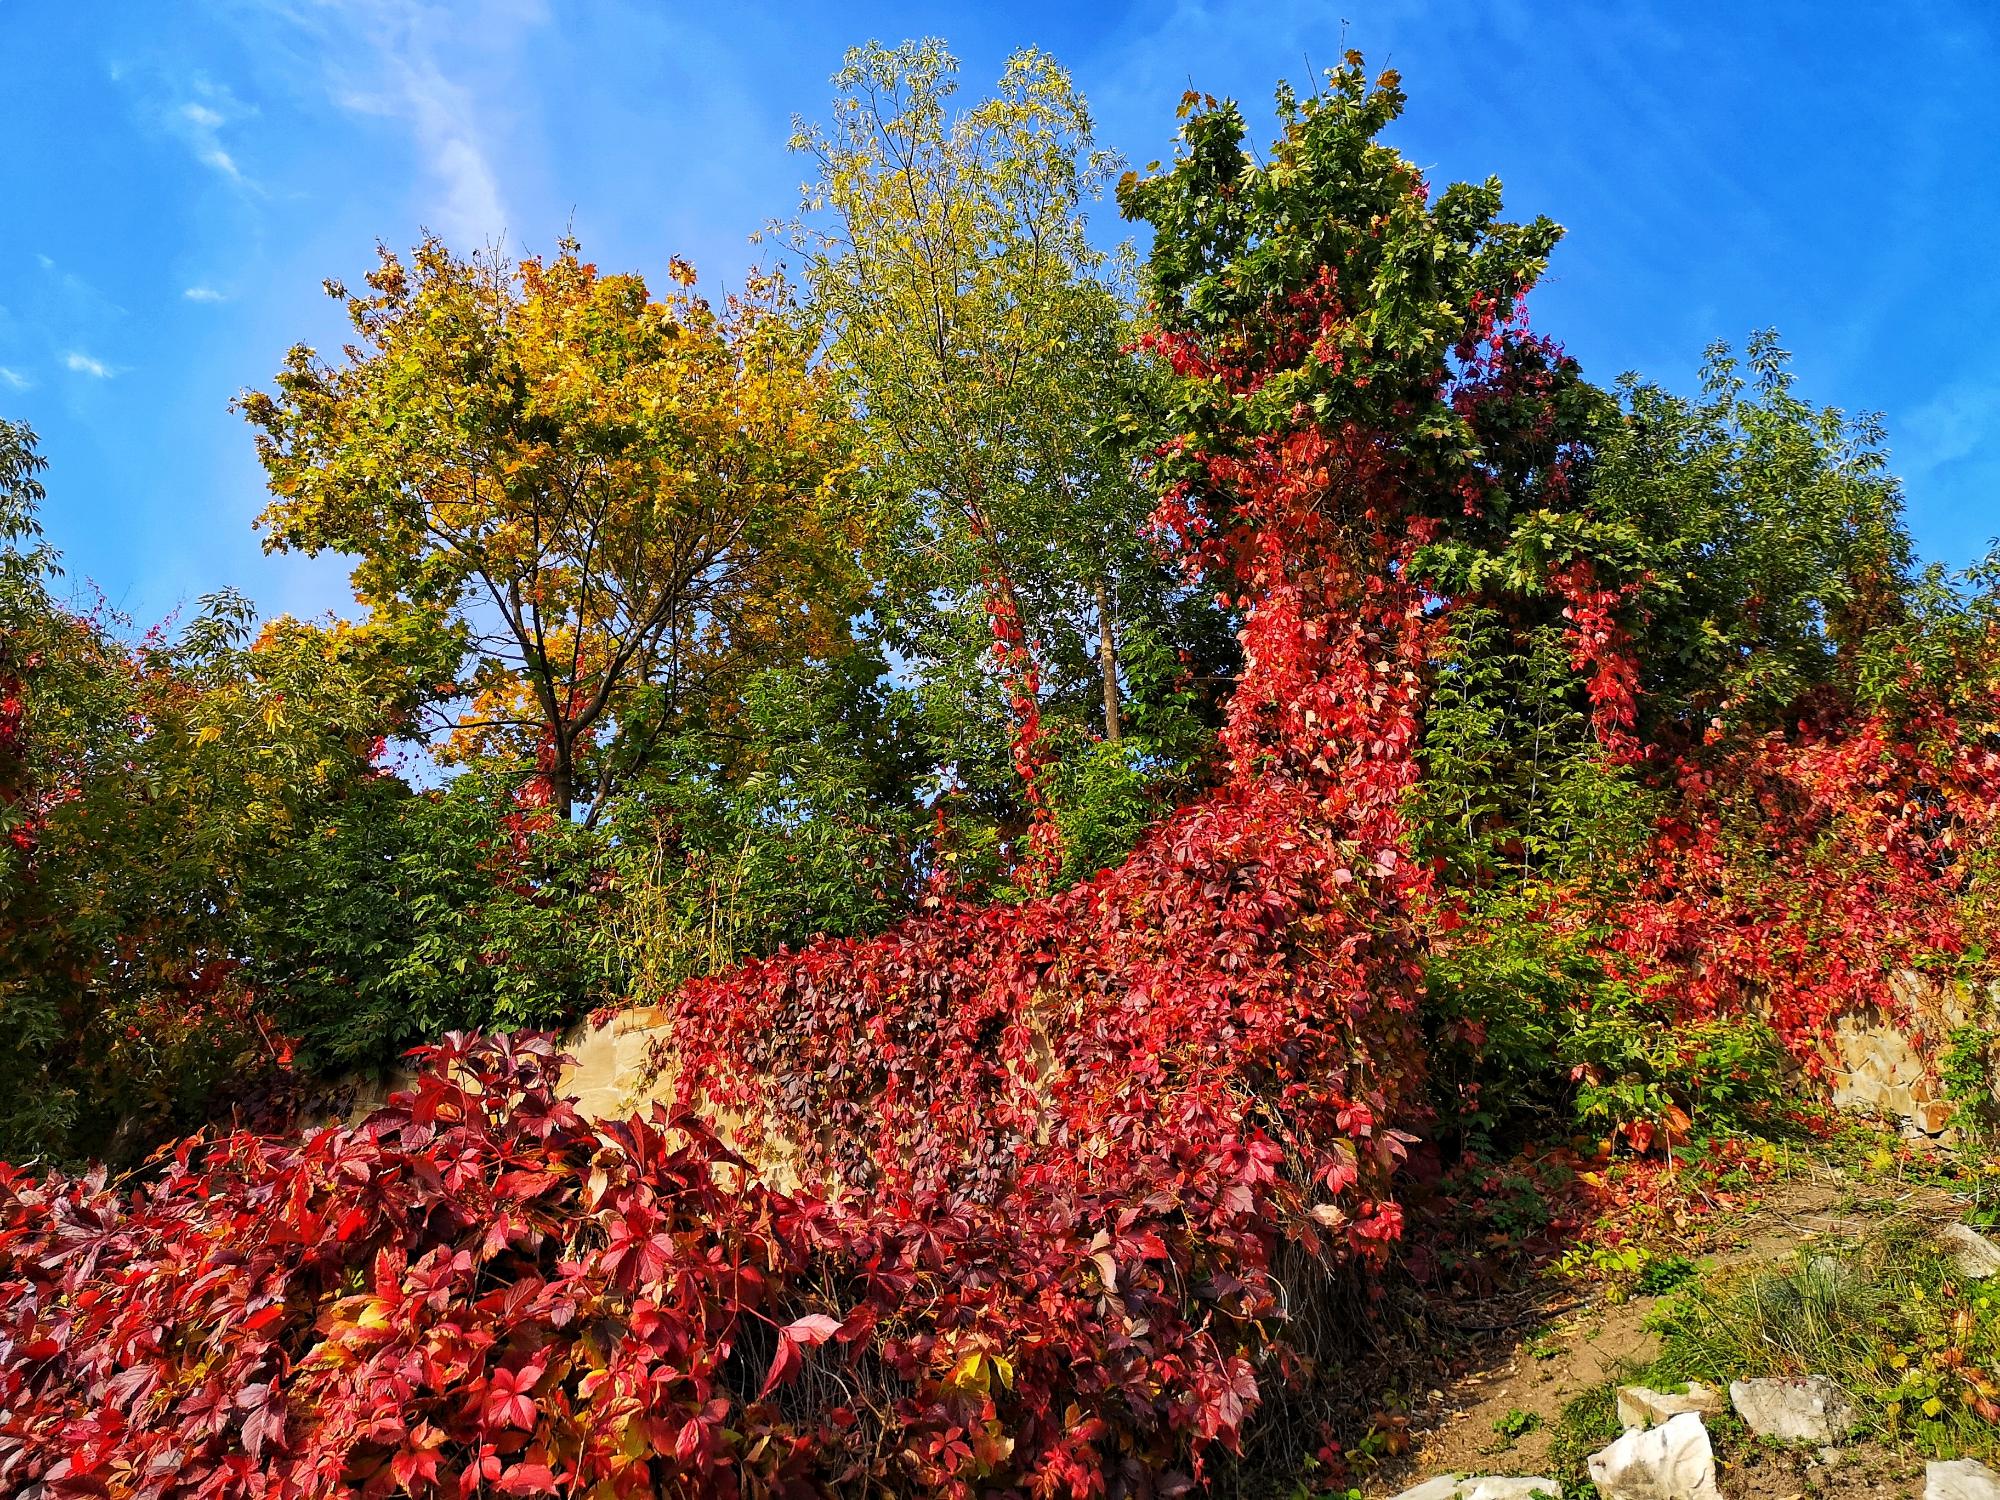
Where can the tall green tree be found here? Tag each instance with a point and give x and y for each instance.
(983, 342)
(1762, 571)
(1770, 537)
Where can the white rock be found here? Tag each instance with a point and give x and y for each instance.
(1444, 1487)
(1640, 1407)
(1490, 1487)
(1809, 1409)
(1975, 1255)
(1962, 1479)
(1670, 1462)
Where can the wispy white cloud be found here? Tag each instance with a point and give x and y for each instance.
(408, 61)
(195, 110)
(203, 126)
(14, 380)
(83, 303)
(204, 294)
(83, 364)
(1956, 423)
(440, 116)
(201, 120)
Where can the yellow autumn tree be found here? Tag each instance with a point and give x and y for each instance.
(579, 513)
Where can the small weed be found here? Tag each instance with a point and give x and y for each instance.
(1985, 1210)
(1517, 1424)
(1315, 1483)
(1661, 1274)
(1626, 1270)
(1388, 1434)
(1546, 1345)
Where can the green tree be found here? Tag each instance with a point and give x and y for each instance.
(1757, 546)
(1767, 582)
(1769, 535)
(982, 340)
(150, 787)
(816, 826)
(36, 1107)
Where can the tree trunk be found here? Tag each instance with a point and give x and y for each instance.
(562, 784)
(1107, 662)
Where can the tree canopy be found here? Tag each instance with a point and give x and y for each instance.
(579, 515)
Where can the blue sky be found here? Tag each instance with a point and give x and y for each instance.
(179, 178)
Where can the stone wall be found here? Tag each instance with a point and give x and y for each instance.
(1885, 1065)
(608, 1074)
(1878, 1064)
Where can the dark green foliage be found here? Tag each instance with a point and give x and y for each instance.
(1515, 1423)
(1535, 1032)
(1965, 1068)
(34, 1106)
(1769, 534)
(1515, 786)
(1662, 1273)
(1106, 793)
(150, 787)
(403, 915)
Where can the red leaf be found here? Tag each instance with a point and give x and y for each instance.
(689, 1441)
(528, 1479)
(784, 1364)
(813, 1328)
